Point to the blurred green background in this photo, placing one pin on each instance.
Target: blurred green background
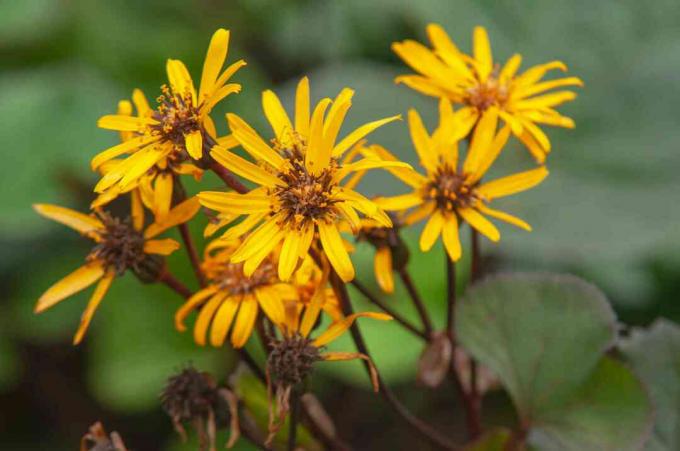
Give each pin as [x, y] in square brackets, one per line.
[608, 212]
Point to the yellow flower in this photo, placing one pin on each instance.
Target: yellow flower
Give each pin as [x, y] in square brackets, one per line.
[156, 185]
[479, 84]
[384, 240]
[120, 245]
[180, 127]
[232, 300]
[301, 188]
[448, 192]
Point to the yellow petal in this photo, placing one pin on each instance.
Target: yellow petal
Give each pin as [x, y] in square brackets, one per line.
[401, 202]
[406, 175]
[527, 91]
[260, 238]
[244, 322]
[120, 149]
[193, 302]
[276, 114]
[335, 251]
[513, 184]
[80, 222]
[316, 157]
[252, 202]
[382, 266]
[243, 227]
[302, 107]
[180, 80]
[535, 73]
[179, 214]
[243, 167]
[431, 231]
[77, 281]
[359, 133]
[257, 257]
[142, 105]
[194, 144]
[338, 328]
[123, 123]
[289, 255]
[214, 60]
[421, 141]
[342, 356]
[205, 316]
[271, 304]
[510, 68]
[447, 50]
[423, 85]
[252, 142]
[486, 159]
[451, 238]
[480, 223]
[136, 210]
[95, 300]
[547, 100]
[482, 52]
[161, 247]
[223, 320]
[162, 195]
[510, 219]
[484, 133]
[139, 163]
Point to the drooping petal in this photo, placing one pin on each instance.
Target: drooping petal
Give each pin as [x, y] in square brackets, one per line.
[431, 232]
[335, 251]
[99, 292]
[163, 188]
[80, 222]
[289, 255]
[503, 216]
[271, 304]
[193, 302]
[194, 144]
[205, 316]
[223, 320]
[382, 266]
[179, 214]
[451, 238]
[161, 247]
[77, 281]
[245, 321]
[480, 223]
[338, 328]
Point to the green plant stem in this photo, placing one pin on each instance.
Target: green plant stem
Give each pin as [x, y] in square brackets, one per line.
[433, 436]
[417, 301]
[385, 308]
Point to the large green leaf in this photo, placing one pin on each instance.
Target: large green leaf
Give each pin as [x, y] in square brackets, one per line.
[541, 334]
[654, 354]
[610, 411]
[544, 336]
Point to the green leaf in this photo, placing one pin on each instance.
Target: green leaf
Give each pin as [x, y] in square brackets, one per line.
[544, 336]
[610, 411]
[541, 334]
[654, 355]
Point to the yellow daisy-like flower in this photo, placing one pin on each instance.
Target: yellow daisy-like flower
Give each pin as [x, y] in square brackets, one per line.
[120, 245]
[448, 192]
[480, 84]
[179, 126]
[156, 185]
[301, 188]
[232, 301]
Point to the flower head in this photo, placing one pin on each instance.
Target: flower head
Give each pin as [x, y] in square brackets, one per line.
[179, 128]
[120, 245]
[300, 175]
[390, 250]
[449, 192]
[479, 85]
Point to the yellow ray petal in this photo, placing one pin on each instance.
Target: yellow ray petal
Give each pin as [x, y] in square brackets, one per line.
[422, 142]
[194, 144]
[289, 255]
[527, 91]
[481, 140]
[482, 52]
[535, 73]
[487, 158]
[243, 167]
[252, 202]
[223, 320]
[161, 247]
[217, 96]
[245, 321]
[258, 239]
[257, 257]
[424, 85]
[431, 232]
[120, 149]
[136, 210]
[338, 328]
[77, 281]
[534, 148]
[225, 76]
[512, 184]
[359, 133]
[302, 107]
[451, 238]
[193, 302]
[271, 304]
[382, 266]
[179, 214]
[316, 157]
[315, 305]
[139, 163]
[243, 227]
[205, 317]
[342, 356]
[142, 105]
[408, 176]
[503, 216]
[214, 60]
[335, 251]
[401, 202]
[480, 223]
[80, 222]
[424, 61]
[180, 80]
[99, 292]
[510, 68]
[252, 142]
[547, 100]
[276, 114]
[162, 195]
[447, 50]
[123, 123]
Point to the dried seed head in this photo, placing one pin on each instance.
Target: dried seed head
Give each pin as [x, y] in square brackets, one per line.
[189, 395]
[121, 246]
[291, 359]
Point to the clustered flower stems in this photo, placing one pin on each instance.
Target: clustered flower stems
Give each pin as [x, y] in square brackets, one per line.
[282, 263]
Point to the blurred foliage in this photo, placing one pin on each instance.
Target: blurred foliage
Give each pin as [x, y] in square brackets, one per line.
[607, 212]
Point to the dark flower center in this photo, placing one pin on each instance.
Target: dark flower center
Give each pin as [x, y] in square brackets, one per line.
[304, 196]
[487, 94]
[449, 189]
[177, 116]
[121, 246]
[229, 277]
[291, 359]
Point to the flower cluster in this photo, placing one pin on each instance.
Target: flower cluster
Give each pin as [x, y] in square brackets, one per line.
[280, 265]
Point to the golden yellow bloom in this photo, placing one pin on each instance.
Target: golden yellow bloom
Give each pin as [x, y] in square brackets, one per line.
[448, 192]
[156, 185]
[233, 299]
[120, 245]
[479, 84]
[301, 188]
[180, 126]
